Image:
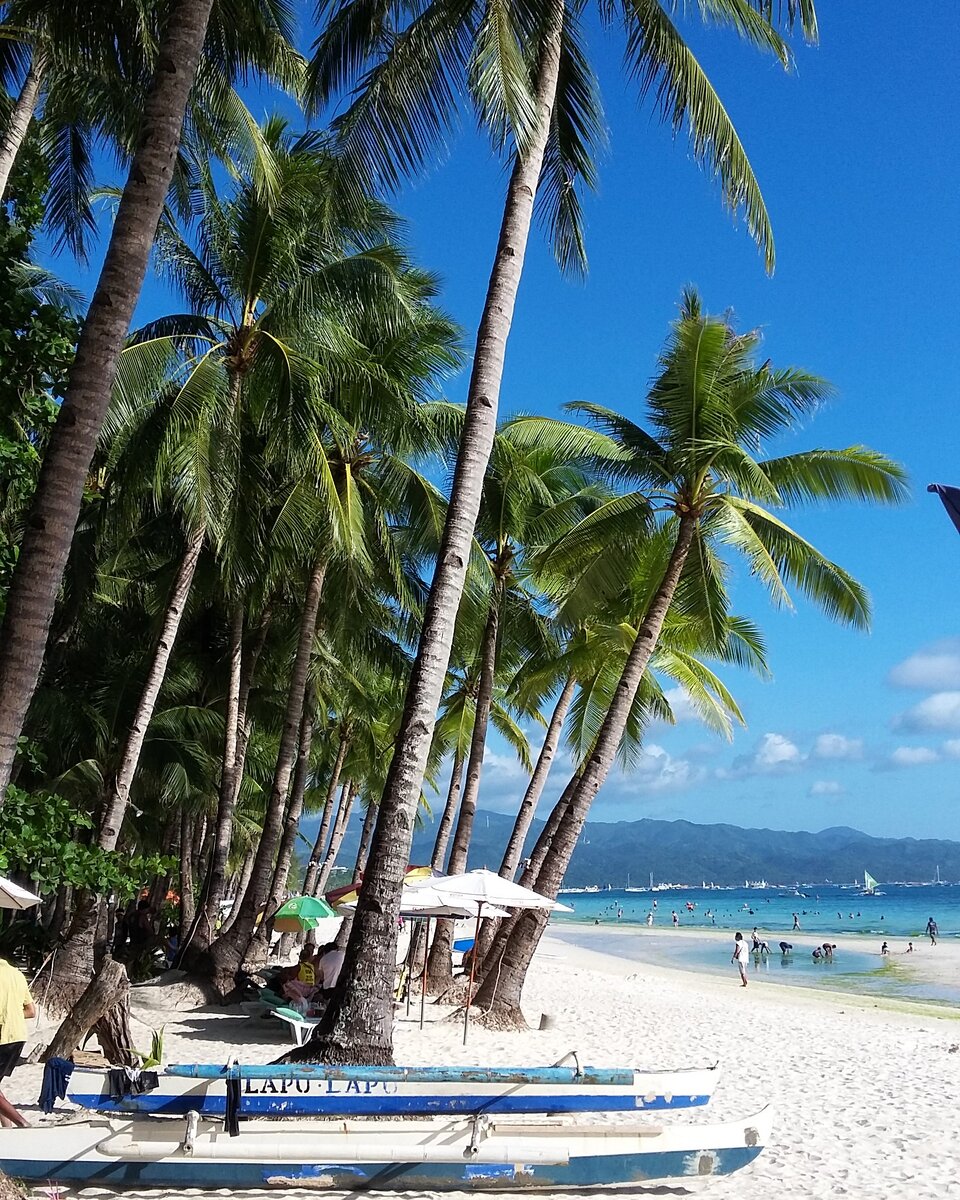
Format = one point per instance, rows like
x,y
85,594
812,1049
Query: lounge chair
x,y
300,1026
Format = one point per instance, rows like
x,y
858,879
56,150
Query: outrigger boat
x,y
480,1153
304,1090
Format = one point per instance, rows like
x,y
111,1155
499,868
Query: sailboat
x,y
870,886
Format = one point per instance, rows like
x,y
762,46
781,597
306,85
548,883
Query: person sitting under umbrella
x,y
329,964
299,982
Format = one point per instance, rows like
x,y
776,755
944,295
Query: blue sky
x,y
859,157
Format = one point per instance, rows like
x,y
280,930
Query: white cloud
x,y
679,700
939,712
502,766
775,755
836,746
914,756
934,668
658,771
826,787
951,748
777,752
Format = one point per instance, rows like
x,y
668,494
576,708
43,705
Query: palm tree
x,y
56,503
78,83
529,498
698,480
236,389
354,487
531,86
251,356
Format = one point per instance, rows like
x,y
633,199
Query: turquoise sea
x,y
898,917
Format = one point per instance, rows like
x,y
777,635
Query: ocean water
x,y
897,917
901,912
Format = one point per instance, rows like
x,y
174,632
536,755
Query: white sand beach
x,y
865,1092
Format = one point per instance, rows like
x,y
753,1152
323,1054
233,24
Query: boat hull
x,y
350,1155
320,1093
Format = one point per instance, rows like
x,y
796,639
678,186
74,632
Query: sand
x,y
865,1092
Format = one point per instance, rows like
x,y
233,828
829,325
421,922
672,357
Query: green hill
x,y
682,852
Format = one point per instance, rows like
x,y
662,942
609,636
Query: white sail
x,y
869,883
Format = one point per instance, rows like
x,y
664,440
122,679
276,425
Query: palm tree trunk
x,y
493,952
366,833
440,960
75,960
317,853
226,953
56,502
205,932
20,118
502,987
358,1024
527,810
216,880
347,797
359,866
187,878
437,858
119,795
531,798
288,840
246,870
445,827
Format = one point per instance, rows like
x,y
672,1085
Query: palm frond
x,y
665,66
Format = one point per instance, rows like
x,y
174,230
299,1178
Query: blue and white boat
x,y
441,1153
323,1091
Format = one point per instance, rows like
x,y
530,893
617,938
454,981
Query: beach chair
x,y
300,1026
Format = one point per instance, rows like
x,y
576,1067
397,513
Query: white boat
x,y
307,1090
870,886
448,1153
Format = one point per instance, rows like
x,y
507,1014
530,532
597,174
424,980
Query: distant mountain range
x,y
681,852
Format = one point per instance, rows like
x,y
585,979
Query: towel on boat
x,y
231,1119
56,1074
130,1081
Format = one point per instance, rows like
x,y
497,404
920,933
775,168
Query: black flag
x,y
951,501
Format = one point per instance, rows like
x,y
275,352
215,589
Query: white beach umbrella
x,y
487,887
490,887
14,896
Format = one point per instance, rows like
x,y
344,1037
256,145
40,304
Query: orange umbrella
x,y
350,893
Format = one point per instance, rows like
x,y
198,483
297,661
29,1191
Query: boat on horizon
x,y
870,886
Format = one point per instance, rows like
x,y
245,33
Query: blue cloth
x,y
56,1073
951,501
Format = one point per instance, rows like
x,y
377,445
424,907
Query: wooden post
x,y
104,1006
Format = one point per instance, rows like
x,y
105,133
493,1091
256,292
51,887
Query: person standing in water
x,y
796,920
932,931
740,954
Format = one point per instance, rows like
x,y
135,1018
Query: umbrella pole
x,y
473,968
423,980
410,949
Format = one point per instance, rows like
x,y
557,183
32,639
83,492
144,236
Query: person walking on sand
x,y
932,931
884,950
740,954
16,1005
676,919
